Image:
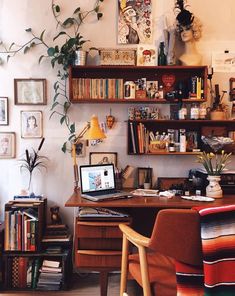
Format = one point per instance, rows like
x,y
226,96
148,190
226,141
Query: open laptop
x,y
98,183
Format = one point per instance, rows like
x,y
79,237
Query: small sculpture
x,y
110,119
55,216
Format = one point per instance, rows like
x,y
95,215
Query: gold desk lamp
x,y
91,131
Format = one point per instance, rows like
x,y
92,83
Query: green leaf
x,y
99,15
56,85
57,8
68,22
54,105
62,119
61,33
8,57
32,44
51,51
64,147
97,8
55,97
41,36
71,137
28,30
10,47
26,49
72,128
66,106
52,114
76,10
40,59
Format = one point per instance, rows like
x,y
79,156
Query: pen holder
x,y
119,183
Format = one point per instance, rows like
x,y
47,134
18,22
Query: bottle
x,y
161,55
183,112
194,112
182,140
171,145
160,92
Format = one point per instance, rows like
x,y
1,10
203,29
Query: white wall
x,y
57,182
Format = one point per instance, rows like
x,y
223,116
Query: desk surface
x,y
146,202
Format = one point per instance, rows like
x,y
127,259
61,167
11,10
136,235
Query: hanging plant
x,y
62,55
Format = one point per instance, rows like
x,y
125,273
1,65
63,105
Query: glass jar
x,y
194,112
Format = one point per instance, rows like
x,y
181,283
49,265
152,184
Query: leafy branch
x,y
63,55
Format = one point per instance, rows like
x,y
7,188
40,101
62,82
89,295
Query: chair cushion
x,y
161,273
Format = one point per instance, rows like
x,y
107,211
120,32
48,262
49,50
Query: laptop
x,y
98,183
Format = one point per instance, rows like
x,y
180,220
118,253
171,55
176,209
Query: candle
x,y
74,155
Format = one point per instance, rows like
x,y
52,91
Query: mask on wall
x,y
110,119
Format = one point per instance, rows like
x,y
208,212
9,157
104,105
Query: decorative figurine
x,y
110,119
55,216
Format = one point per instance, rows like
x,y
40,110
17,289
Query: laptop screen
x,y
97,177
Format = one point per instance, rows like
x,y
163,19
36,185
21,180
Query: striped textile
x,y
218,245
190,279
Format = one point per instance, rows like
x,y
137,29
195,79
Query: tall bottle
x,y
162,61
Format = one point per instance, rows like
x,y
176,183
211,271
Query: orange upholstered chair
x,y
175,238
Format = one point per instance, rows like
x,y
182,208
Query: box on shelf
x,y
114,56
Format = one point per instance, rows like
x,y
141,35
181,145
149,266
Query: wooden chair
x,y
175,237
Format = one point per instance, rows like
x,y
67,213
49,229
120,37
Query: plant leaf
x,y
72,128
26,49
54,105
28,30
51,51
40,59
76,10
62,119
68,22
64,147
61,33
99,15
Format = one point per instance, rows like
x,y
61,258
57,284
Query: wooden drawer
x,y
98,229
100,243
94,258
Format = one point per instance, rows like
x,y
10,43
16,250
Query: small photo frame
x,y
146,55
80,148
103,158
7,145
4,111
31,124
142,173
30,91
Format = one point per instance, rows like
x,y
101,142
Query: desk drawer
x,y
98,229
100,243
94,258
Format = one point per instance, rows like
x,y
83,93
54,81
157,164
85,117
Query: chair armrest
x,y
134,237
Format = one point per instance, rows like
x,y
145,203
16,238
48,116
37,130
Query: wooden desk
x,y
143,211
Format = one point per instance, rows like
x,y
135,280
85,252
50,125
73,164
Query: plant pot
x,y
217,115
213,189
80,58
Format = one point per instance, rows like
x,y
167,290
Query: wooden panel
x,y
100,243
85,258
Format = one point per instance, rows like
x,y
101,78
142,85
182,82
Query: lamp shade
x,y
94,132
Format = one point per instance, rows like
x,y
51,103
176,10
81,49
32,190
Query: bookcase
x,y
25,253
106,84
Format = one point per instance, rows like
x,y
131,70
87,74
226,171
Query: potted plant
x,y
214,165
63,55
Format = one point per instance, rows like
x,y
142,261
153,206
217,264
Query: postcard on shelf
x,y
146,55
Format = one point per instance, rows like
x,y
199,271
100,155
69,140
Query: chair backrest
x,y
176,233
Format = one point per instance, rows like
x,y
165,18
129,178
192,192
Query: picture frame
x,y
80,148
7,145
28,91
114,56
141,173
103,157
31,124
4,111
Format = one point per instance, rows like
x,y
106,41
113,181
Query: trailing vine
x,y
63,55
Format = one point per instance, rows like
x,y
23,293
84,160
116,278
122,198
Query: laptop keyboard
x,y
99,193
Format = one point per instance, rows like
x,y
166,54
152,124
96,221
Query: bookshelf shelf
x,y
105,84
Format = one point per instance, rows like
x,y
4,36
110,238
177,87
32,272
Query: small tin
x,y
129,90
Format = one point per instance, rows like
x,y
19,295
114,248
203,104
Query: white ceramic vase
x,y
213,189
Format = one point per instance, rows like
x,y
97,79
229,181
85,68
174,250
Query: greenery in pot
x,y
214,164
63,55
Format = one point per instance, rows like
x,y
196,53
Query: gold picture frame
x,y
31,124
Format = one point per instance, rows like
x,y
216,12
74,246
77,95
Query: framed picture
x,y
30,91
31,124
146,55
80,148
144,175
3,111
7,145
103,157
117,56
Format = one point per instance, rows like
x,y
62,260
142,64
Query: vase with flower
x,y
214,165
31,162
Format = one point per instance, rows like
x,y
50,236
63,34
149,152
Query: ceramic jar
x,y
213,189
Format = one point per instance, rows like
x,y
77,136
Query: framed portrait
x,y
31,124
103,158
142,175
80,148
3,111
30,91
7,144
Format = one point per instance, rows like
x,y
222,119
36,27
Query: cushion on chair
x,y
161,273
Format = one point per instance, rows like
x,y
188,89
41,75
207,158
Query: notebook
x,y
98,183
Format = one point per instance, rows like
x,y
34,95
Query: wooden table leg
x,y
103,283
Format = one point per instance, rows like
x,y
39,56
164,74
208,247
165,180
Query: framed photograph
x,y
144,175
103,157
146,55
30,91
7,144
31,124
3,111
80,148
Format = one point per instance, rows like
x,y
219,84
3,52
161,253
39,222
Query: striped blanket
x,y
218,245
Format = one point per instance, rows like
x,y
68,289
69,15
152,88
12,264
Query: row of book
x,y
196,87
56,233
20,229
32,273
88,88
141,137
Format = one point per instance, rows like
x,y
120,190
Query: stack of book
x,y
56,233
50,276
